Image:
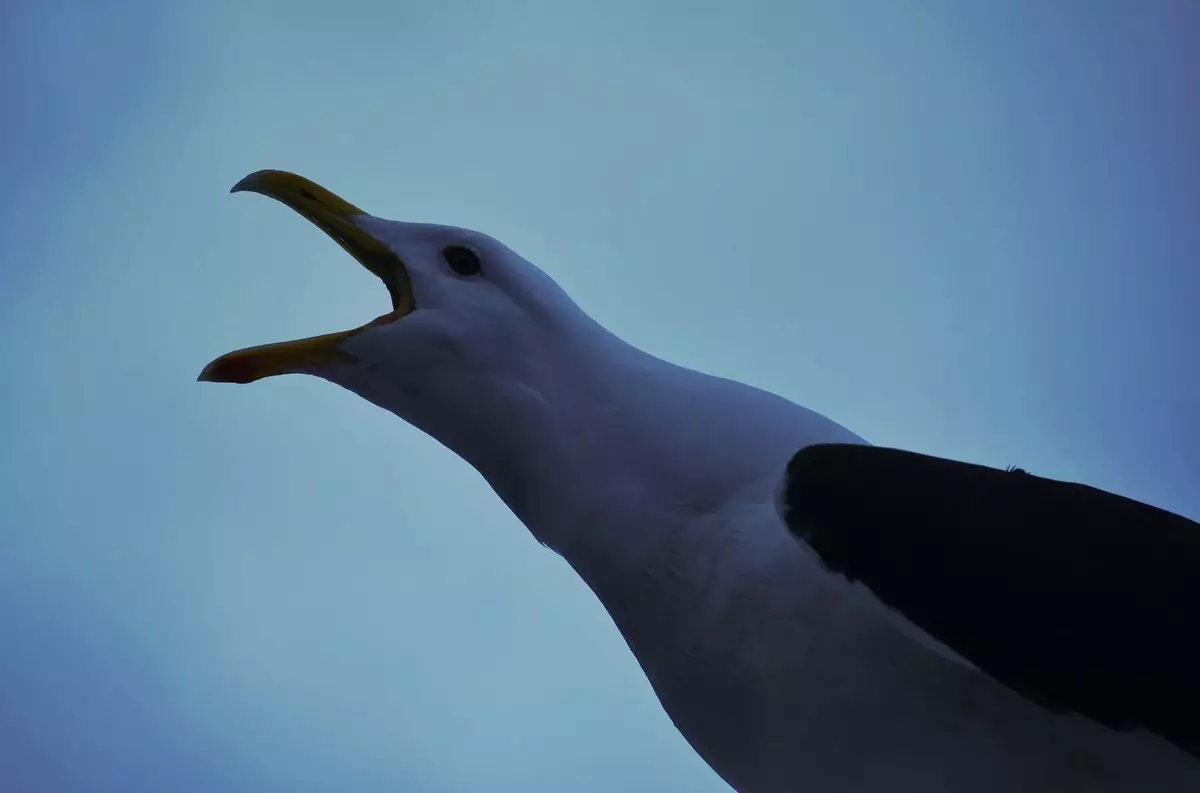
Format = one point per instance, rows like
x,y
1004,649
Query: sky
x,y
964,228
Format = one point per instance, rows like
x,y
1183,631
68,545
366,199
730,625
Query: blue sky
x,y
965,228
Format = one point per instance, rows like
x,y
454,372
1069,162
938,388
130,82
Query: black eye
x,y
462,260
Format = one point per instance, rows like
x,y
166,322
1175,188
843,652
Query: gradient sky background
x,y
965,228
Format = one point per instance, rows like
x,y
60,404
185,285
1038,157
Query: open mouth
x,y
335,217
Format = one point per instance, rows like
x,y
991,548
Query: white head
x,y
476,351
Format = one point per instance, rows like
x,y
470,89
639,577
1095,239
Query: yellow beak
x,y
335,217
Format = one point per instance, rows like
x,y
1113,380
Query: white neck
x,y
588,423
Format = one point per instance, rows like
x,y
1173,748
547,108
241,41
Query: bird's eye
x,y
462,260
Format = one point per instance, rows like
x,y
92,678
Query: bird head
x,y
476,338
458,297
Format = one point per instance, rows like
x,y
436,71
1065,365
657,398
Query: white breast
x,y
786,678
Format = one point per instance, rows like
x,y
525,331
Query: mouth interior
x,y
387,267
373,255
381,262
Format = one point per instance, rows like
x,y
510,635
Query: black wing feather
x,y
1080,599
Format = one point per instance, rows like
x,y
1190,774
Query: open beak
x,y
336,218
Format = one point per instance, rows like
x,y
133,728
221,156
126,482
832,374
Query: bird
x,y
813,612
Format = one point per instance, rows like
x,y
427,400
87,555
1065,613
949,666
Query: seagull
x,y
814,613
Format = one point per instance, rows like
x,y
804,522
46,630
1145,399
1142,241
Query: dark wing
x,y
1080,599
